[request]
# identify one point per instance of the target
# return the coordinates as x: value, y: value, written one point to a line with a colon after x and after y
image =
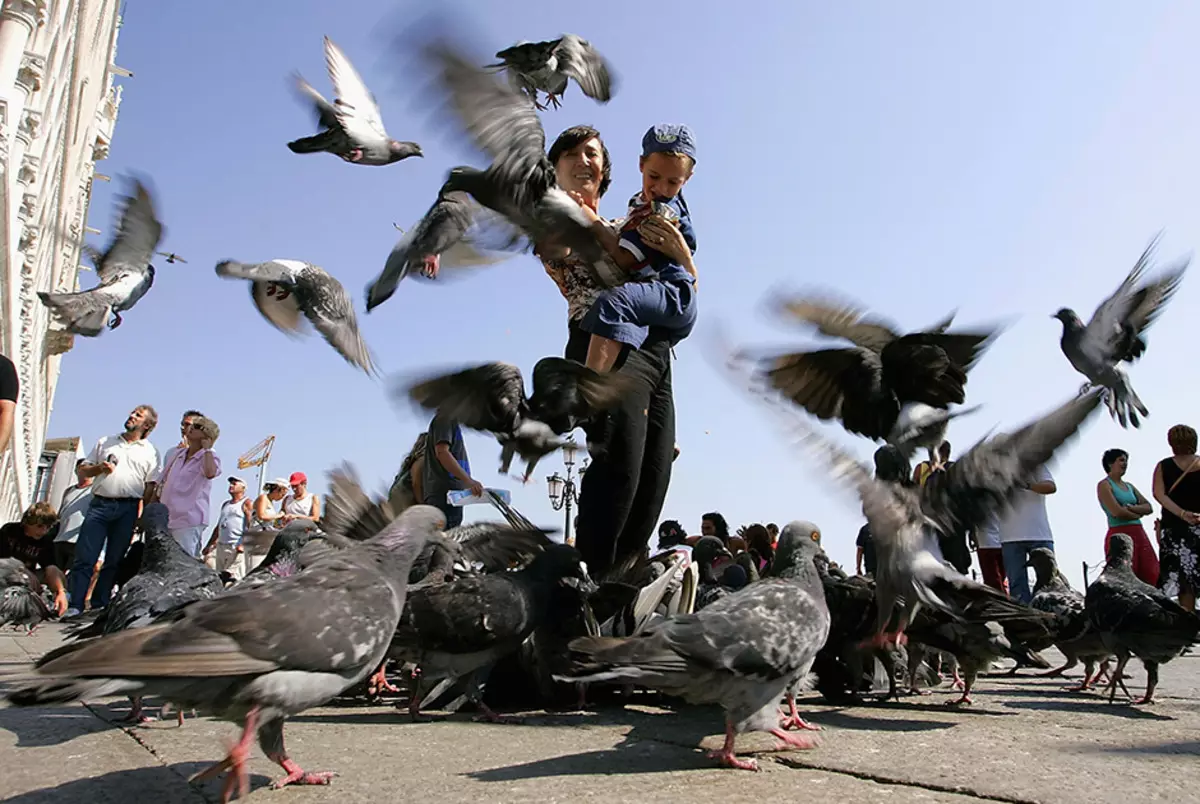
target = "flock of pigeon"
x: 381, y: 579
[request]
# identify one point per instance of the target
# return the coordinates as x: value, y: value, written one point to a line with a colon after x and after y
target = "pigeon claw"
x: 115, y: 322
x: 965, y: 700
x: 430, y: 265
x: 730, y: 760
x: 297, y: 775
x: 789, y: 741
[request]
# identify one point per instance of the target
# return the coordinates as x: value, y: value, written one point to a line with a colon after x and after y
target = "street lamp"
x: 562, y: 490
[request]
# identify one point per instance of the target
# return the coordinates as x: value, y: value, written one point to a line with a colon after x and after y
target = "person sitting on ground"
x: 30, y: 542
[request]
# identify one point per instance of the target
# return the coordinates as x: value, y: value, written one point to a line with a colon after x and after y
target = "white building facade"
x: 58, y: 109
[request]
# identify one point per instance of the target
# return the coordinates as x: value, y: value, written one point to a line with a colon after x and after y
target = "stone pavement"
x: 1024, y: 740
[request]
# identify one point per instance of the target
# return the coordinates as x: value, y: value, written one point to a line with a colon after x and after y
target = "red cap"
x: 297, y: 478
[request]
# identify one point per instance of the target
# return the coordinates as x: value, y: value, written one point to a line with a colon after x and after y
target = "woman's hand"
x: 588, y: 212
x: 661, y: 234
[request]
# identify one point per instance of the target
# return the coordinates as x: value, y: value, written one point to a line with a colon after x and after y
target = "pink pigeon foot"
x: 792, y: 719
x: 234, y: 762
x: 355, y: 155
x: 430, y: 265
x: 379, y: 683
x: 297, y: 775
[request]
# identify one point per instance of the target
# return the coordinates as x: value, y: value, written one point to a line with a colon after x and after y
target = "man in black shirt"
x: 31, y: 541
x: 446, y: 468
x: 10, y: 387
x: 865, y: 560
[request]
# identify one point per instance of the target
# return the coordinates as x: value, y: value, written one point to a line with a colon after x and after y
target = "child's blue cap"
x: 669, y: 138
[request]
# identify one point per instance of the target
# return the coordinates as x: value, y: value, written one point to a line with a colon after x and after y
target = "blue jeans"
x: 108, y: 525
x: 626, y: 313
x: 1016, y: 555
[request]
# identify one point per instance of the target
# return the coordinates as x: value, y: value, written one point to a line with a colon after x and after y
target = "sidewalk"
x: 1024, y: 740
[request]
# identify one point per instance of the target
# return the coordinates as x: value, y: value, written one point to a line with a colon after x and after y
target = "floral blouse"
x: 581, y: 284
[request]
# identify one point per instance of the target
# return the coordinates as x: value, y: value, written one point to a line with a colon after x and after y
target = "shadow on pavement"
x: 1181, y: 747
x: 158, y: 783
x: 846, y: 720
x: 41, y: 726
x: 1096, y: 707
x: 642, y: 757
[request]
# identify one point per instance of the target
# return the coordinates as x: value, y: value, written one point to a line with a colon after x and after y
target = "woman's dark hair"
x: 719, y: 525
x: 671, y: 533
x: 1110, y: 457
x: 758, y: 541
x: 1182, y: 439
x: 577, y: 135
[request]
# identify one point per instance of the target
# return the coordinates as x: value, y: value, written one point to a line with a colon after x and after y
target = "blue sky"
x: 1000, y: 159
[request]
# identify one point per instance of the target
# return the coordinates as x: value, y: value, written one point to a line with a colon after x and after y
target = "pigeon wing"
x: 1104, y: 331
x: 579, y: 60
x: 839, y: 320
x: 137, y: 238
x: 566, y: 391
x: 331, y: 313
x: 354, y: 104
x: 349, y: 512
x: 327, y: 116
x: 498, y: 547
x: 485, y: 397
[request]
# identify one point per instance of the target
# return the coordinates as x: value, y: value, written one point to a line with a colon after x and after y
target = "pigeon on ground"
x: 520, y: 184
x: 1135, y: 619
x: 905, y: 518
x: 1115, y: 334
x: 547, y: 66
x: 454, y: 232
x: 491, y: 397
x: 841, y: 663
x: 743, y: 652
x: 1052, y: 593
x: 169, y: 579
x: 459, y: 628
x: 257, y: 656
x: 288, y: 291
x: 868, y: 385
x: 284, y: 556
x: 21, y: 597
x: 124, y: 271
x: 353, y: 126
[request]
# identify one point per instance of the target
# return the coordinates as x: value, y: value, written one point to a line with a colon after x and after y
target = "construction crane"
x: 258, y: 455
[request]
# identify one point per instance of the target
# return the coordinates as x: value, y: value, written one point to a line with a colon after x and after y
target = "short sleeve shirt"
x: 674, y: 209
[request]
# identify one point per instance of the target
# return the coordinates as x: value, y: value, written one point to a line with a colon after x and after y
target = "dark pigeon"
x: 707, y: 553
x: 520, y: 184
x: 868, y: 386
x: 287, y: 292
x: 743, y: 652
x: 1116, y: 334
x: 1135, y: 619
x: 1077, y: 640
x: 491, y: 397
x: 547, y: 66
x: 257, y: 656
x: 168, y: 580
x: 22, y: 601
x: 905, y: 518
x: 353, y: 126
x: 456, y: 232
x: 283, y: 557
x: 124, y: 271
x: 457, y: 629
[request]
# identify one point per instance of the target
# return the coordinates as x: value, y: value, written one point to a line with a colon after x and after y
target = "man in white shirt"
x: 227, y: 535
x: 122, y: 466
x: 1024, y: 528
x: 75, y: 503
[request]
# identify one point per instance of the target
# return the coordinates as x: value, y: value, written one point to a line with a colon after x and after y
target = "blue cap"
x: 669, y: 138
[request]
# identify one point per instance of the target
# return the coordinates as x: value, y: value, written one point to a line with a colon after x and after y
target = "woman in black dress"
x: 1177, y: 489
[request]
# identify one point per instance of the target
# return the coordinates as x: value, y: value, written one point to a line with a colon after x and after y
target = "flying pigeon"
x: 21, y: 600
x: 1052, y: 593
x: 124, y: 271
x: 1116, y: 334
x: 171, y: 256
x: 905, y: 518
x: 1135, y: 619
x: 743, y: 652
x: 547, y: 66
x: 443, y: 237
x: 867, y: 386
x: 285, y: 290
x: 491, y: 397
x: 457, y: 629
x: 921, y: 425
x: 169, y: 578
x: 353, y: 126
x: 520, y: 184
x: 256, y: 656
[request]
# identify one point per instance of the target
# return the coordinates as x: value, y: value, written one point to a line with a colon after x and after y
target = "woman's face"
x: 581, y: 169
x: 1120, y: 465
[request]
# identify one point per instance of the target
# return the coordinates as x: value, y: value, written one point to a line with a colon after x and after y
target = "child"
x: 663, y: 292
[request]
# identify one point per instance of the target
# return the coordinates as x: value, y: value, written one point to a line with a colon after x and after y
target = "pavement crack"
x: 880, y: 778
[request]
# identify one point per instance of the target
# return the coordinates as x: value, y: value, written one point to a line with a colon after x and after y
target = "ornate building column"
x: 18, y: 20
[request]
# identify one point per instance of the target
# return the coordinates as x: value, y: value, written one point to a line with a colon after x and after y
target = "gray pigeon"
x: 868, y: 385
x: 124, y: 271
x: 256, y: 656
x: 744, y: 652
x: 21, y: 600
x: 168, y: 579
x: 491, y: 397
x: 547, y: 66
x: 284, y: 556
x: 353, y: 126
x: 921, y: 425
x: 1135, y: 619
x: 520, y: 184
x: 1052, y: 593
x: 288, y: 291
x: 1115, y: 334
x: 443, y: 237
x: 905, y: 518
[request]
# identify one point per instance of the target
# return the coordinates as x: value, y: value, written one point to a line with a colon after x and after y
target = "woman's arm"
x: 418, y: 480
x: 1114, y: 508
x: 1142, y: 507
x: 1159, y: 490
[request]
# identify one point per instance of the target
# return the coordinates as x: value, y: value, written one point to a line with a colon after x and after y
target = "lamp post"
x: 562, y: 490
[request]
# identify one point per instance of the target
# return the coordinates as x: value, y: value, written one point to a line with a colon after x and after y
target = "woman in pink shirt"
x: 187, y: 482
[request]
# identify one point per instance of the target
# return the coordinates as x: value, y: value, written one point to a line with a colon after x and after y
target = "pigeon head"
x: 564, y: 564
x: 799, y: 543
x: 1068, y: 318
x: 707, y: 550
x: 1120, y: 552
x: 154, y: 517
x: 418, y: 519
x: 1043, y: 562
x: 891, y: 466
x: 403, y: 150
